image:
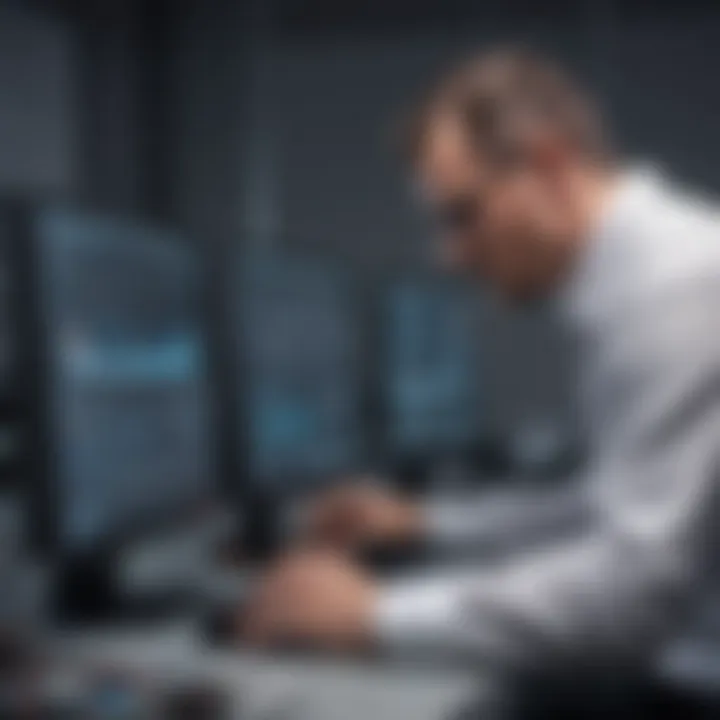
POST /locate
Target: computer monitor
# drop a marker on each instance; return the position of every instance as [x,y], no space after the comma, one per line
[433,368]
[302,375]
[122,412]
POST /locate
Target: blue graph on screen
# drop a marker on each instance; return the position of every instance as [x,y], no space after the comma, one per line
[433,366]
[126,354]
[302,387]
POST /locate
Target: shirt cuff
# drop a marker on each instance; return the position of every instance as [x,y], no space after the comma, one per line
[415,615]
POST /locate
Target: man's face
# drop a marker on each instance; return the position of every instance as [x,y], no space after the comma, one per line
[498,222]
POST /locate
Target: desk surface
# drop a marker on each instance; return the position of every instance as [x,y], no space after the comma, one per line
[304,689]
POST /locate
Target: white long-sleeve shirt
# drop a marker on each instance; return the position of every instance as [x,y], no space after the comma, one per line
[645,303]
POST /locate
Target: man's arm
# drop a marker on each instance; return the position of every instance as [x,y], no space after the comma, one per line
[506,520]
[480,523]
[620,590]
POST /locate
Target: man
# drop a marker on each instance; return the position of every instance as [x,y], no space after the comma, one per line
[514,163]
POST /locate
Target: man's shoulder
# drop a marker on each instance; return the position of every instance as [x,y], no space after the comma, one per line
[670,262]
[676,247]
[664,246]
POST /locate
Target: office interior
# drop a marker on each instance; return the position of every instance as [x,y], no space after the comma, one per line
[218,298]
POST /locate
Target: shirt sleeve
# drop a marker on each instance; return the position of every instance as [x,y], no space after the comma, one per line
[505,521]
[620,590]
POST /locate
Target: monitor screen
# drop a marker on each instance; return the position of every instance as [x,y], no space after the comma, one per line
[128,406]
[433,391]
[302,383]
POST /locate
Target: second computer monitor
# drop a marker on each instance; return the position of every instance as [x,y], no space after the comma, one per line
[434,367]
[301,372]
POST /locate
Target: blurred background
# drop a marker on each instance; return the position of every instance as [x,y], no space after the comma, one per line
[216,288]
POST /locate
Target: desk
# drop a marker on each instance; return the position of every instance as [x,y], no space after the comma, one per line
[264,688]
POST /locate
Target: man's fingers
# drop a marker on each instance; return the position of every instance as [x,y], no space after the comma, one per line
[338,524]
[264,622]
[255,628]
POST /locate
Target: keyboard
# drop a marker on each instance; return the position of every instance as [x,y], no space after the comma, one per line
[173,661]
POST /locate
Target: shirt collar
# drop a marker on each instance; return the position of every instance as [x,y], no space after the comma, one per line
[601,258]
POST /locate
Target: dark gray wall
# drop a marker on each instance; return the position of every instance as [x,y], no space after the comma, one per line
[76,111]
[664,93]
[206,80]
[112,169]
[124,76]
[38,138]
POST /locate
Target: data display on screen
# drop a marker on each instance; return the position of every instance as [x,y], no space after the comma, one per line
[302,385]
[121,308]
[433,366]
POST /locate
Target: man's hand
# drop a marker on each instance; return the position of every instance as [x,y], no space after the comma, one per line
[314,599]
[360,516]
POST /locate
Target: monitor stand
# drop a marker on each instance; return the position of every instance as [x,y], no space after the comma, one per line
[262,533]
[87,591]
